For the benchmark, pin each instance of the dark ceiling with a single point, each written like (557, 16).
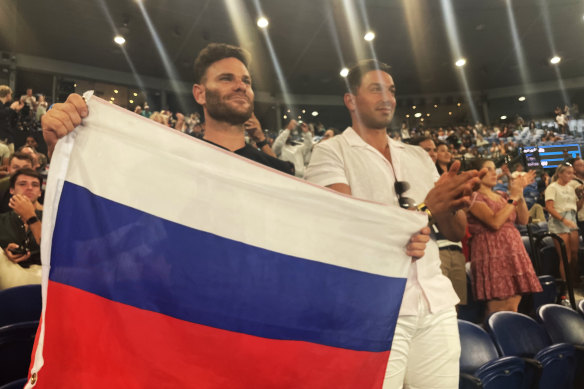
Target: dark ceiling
(311, 39)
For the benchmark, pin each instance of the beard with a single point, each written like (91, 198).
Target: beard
(221, 110)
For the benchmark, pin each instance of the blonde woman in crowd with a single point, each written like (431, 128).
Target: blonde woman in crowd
(562, 204)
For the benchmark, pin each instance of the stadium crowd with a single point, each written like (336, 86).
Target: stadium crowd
(456, 174)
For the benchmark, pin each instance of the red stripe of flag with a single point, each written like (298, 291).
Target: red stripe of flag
(98, 343)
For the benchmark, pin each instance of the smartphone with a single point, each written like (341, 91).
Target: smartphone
(20, 250)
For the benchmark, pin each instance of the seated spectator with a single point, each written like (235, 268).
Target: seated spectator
(500, 265)
(33, 144)
(36, 165)
(562, 204)
(16, 161)
(296, 152)
(20, 229)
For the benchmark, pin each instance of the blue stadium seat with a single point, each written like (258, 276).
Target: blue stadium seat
(21, 303)
(481, 364)
(519, 335)
(18, 384)
(565, 325)
(16, 343)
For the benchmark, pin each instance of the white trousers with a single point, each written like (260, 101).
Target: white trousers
(425, 351)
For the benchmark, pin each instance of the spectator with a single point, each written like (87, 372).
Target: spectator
(452, 260)
(253, 128)
(561, 121)
(8, 116)
(427, 144)
(578, 184)
(41, 109)
(501, 268)
(328, 134)
(222, 87)
(562, 204)
(287, 149)
(364, 162)
(20, 229)
(17, 161)
(443, 158)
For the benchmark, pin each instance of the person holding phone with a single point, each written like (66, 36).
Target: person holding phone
(20, 229)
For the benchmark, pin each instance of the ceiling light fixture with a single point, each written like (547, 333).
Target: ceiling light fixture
(460, 62)
(263, 22)
(413, 107)
(131, 101)
(418, 114)
(314, 113)
(120, 40)
(135, 94)
(522, 98)
(503, 117)
(369, 36)
(116, 91)
(285, 117)
(344, 72)
(555, 60)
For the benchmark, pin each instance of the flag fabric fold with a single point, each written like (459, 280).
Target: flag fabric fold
(168, 262)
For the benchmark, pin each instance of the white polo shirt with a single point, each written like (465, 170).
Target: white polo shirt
(348, 159)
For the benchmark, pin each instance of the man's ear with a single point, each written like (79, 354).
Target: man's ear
(199, 94)
(12, 191)
(349, 99)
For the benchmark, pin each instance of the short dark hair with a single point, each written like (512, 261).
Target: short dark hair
(22, 156)
(419, 139)
(24, 172)
(215, 52)
(357, 72)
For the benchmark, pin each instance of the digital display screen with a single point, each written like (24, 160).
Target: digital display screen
(549, 157)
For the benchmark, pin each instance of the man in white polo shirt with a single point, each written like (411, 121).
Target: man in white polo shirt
(366, 163)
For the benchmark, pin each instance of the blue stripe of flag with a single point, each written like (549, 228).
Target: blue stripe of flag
(135, 258)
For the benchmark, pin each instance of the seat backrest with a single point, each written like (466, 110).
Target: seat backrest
(548, 295)
(477, 347)
(16, 343)
(18, 384)
(562, 324)
(549, 261)
(516, 334)
(19, 304)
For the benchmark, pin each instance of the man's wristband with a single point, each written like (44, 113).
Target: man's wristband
(32, 220)
(261, 143)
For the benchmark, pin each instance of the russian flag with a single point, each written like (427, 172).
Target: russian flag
(168, 262)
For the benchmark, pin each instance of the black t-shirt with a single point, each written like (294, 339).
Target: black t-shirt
(258, 156)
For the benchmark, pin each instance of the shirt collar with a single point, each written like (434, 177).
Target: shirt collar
(354, 140)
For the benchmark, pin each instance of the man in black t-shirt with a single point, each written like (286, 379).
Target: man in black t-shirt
(222, 87)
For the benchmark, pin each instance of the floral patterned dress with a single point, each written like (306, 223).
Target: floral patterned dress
(500, 266)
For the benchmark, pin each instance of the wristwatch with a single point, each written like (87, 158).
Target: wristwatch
(512, 202)
(423, 208)
(262, 143)
(32, 220)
